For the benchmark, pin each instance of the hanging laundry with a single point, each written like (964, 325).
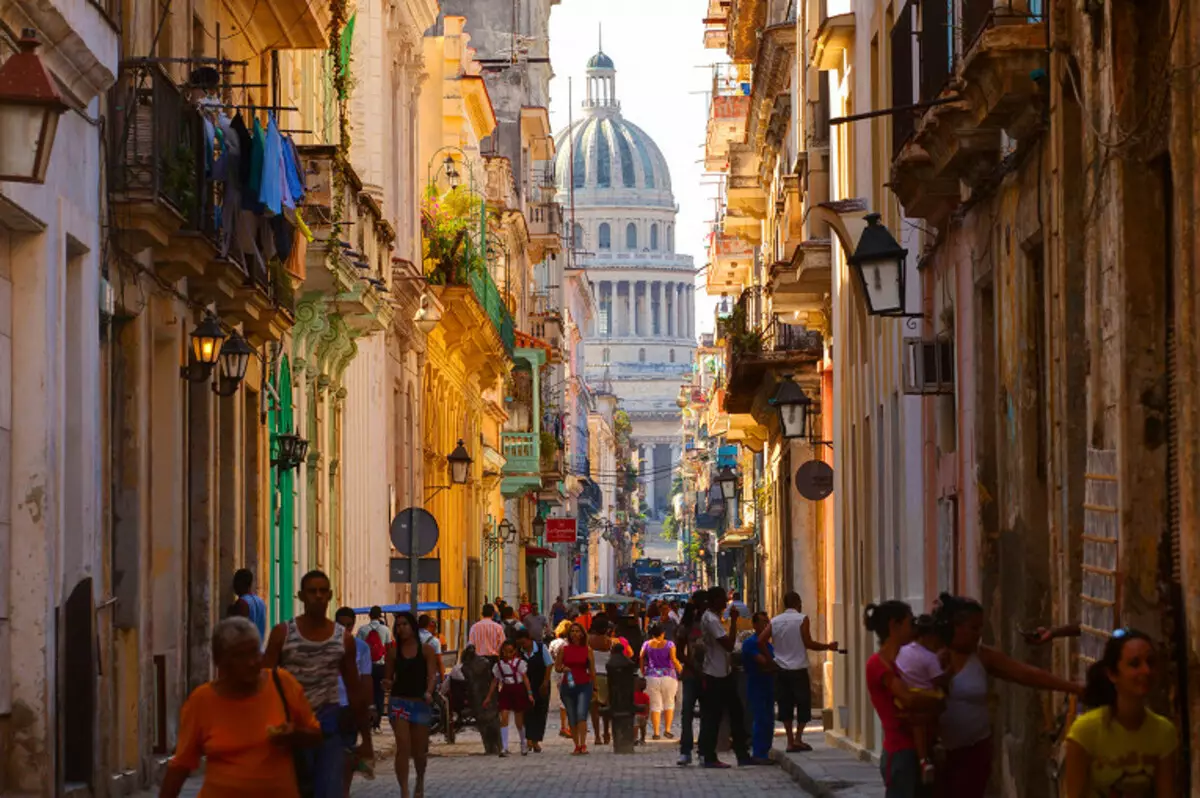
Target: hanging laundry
(244, 141)
(258, 147)
(293, 170)
(270, 191)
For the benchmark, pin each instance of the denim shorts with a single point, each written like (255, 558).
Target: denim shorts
(412, 710)
(576, 701)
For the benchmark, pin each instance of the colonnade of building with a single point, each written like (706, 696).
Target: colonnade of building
(649, 308)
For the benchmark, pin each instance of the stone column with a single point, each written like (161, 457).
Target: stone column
(656, 310)
(669, 309)
(630, 312)
(605, 294)
(647, 474)
(690, 291)
(647, 329)
(680, 287)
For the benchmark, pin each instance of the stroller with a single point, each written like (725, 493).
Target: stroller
(451, 709)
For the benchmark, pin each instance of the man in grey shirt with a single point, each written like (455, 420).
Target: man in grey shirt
(536, 623)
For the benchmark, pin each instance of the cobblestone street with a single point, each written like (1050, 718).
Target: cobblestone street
(462, 769)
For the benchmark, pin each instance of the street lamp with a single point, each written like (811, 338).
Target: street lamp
(727, 480)
(684, 396)
(427, 316)
(452, 176)
(460, 464)
(235, 356)
(539, 526)
(793, 406)
(207, 340)
(30, 107)
(879, 261)
(292, 449)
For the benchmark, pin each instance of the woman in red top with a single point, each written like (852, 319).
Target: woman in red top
(891, 622)
(578, 666)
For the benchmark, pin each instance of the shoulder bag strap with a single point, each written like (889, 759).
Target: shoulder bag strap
(287, 712)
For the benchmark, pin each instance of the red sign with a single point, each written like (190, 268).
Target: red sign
(560, 530)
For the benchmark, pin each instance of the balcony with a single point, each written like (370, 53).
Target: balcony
(166, 200)
(727, 113)
(746, 199)
(770, 103)
(522, 452)
(800, 286)
(995, 107)
(545, 229)
(500, 187)
(754, 352)
(729, 262)
(350, 263)
(716, 20)
(290, 24)
(746, 19)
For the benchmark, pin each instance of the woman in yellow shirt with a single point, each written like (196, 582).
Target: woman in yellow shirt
(1121, 749)
(240, 724)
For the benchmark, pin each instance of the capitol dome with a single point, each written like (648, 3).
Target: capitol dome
(613, 162)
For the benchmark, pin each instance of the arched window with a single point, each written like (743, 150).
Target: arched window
(577, 237)
(631, 236)
(671, 355)
(641, 355)
(605, 236)
(654, 237)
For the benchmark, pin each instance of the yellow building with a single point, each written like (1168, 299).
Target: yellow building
(469, 353)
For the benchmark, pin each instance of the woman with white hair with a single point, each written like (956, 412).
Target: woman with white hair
(245, 723)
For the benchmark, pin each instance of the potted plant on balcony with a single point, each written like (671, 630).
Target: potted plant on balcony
(446, 222)
(549, 448)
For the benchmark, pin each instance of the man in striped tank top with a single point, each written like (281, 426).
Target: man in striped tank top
(316, 651)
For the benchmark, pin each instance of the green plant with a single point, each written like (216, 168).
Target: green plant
(670, 528)
(179, 178)
(549, 445)
(446, 223)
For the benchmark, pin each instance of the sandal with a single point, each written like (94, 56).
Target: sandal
(564, 734)
(669, 735)
(799, 748)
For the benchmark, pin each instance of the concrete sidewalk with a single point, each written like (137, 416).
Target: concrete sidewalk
(830, 771)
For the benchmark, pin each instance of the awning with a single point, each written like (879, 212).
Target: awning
(540, 552)
(422, 606)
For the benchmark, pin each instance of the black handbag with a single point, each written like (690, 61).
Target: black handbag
(304, 781)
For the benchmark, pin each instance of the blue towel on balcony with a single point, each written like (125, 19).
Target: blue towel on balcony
(270, 190)
(292, 170)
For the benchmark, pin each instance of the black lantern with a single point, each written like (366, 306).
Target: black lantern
(793, 406)
(207, 340)
(727, 480)
(880, 263)
(452, 176)
(235, 356)
(539, 526)
(291, 451)
(506, 532)
(30, 106)
(460, 464)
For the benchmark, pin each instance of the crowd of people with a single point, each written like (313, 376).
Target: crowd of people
(293, 715)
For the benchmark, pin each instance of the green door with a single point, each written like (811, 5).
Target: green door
(283, 504)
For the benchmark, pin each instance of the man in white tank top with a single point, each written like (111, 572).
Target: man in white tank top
(790, 634)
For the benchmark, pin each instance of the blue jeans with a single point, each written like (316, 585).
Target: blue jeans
(687, 716)
(325, 762)
(761, 697)
(576, 700)
(901, 773)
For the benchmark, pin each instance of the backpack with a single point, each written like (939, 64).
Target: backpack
(696, 651)
(375, 643)
(510, 631)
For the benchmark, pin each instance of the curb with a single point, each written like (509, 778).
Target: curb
(799, 774)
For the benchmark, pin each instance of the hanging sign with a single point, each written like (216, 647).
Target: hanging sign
(814, 480)
(560, 530)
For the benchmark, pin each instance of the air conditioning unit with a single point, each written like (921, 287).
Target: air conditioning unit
(929, 365)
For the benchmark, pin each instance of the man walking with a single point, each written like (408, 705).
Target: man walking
(536, 623)
(346, 720)
(508, 617)
(558, 611)
(316, 651)
(248, 604)
(486, 635)
(377, 637)
(718, 693)
(791, 637)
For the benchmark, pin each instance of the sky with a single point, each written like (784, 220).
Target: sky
(663, 76)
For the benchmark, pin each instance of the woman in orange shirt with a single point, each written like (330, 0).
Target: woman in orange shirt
(245, 723)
